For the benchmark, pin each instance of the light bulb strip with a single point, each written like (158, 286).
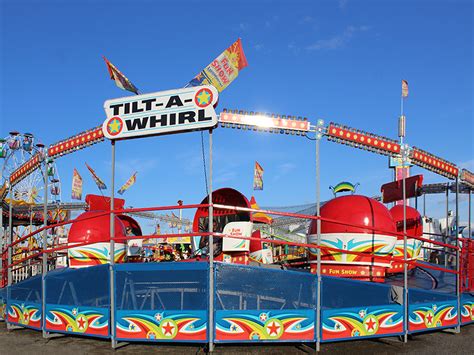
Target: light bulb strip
(467, 177)
(79, 141)
(263, 122)
(363, 140)
(433, 163)
(26, 168)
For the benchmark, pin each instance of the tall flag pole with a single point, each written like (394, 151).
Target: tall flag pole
(76, 192)
(128, 184)
(401, 125)
(100, 184)
(224, 69)
(258, 177)
(120, 80)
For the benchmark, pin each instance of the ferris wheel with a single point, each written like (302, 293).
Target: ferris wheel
(16, 149)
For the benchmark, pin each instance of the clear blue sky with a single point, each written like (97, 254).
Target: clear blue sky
(340, 61)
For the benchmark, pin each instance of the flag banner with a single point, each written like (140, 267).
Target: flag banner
(120, 80)
(258, 177)
(128, 184)
(100, 184)
(404, 88)
(224, 69)
(76, 192)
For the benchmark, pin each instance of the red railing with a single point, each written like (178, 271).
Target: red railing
(467, 268)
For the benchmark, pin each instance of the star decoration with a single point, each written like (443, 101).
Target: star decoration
(370, 324)
(429, 318)
(263, 317)
(338, 326)
(362, 313)
(204, 98)
(168, 328)
(114, 126)
(233, 328)
(435, 307)
(74, 311)
(158, 317)
(273, 328)
(255, 336)
(81, 322)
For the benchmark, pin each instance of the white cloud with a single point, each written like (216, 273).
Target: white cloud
(337, 41)
(258, 46)
(306, 19)
(141, 166)
(224, 177)
(243, 26)
(342, 4)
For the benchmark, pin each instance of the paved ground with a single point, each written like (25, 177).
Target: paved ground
(26, 341)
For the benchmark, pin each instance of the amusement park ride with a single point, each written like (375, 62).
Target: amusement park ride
(356, 271)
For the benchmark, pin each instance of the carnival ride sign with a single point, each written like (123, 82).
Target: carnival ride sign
(186, 109)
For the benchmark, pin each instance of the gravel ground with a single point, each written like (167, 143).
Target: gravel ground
(26, 341)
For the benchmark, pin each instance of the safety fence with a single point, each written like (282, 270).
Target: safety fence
(172, 301)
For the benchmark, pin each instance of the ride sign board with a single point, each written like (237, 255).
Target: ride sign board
(186, 109)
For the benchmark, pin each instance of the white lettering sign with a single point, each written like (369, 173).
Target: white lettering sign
(186, 109)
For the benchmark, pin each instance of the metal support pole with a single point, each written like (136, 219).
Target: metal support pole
(469, 230)
(458, 276)
(405, 265)
(112, 252)
(10, 236)
(424, 204)
(446, 232)
(318, 252)
(45, 247)
(2, 235)
(211, 252)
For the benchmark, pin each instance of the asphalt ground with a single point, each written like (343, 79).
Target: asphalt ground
(27, 341)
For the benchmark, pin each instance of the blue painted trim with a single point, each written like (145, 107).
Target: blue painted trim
(362, 338)
(431, 329)
(162, 341)
(80, 334)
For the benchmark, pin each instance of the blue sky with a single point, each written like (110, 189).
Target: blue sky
(341, 61)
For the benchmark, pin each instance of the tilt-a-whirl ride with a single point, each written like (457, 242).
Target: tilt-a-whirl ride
(351, 268)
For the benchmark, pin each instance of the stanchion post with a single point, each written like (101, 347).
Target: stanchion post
(211, 252)
(2, 235)
(112, 252)
(446, 232)
(10, 236)
(458, 276)
(318, 265)
(45, 247)
(318, 136)
(405, 265)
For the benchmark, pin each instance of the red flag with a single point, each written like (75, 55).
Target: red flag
(404, 88)
(120, 80)
(100, 184)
